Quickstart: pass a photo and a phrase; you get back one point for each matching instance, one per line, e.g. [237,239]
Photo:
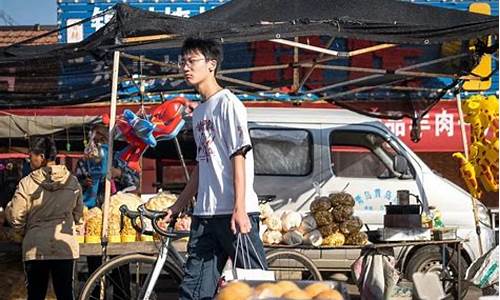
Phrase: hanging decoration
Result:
[481,165]
[164,123]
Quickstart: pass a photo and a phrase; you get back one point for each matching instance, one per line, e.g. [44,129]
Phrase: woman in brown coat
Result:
[46,205]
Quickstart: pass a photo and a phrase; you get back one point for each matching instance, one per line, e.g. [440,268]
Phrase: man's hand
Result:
[168,217]
[240,222]
[191,106]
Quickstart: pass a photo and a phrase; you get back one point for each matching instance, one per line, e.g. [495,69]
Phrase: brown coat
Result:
[47,204]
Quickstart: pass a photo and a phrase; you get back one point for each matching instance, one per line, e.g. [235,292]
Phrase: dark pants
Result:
[211,243]
[37,278]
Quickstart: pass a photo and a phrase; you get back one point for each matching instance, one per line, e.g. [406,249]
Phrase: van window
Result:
[285,152]
[361,154]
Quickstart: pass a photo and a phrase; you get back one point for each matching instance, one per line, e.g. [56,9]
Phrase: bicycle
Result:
[158,277]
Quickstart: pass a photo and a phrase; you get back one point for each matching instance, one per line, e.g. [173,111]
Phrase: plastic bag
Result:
[290,220]
[308,224]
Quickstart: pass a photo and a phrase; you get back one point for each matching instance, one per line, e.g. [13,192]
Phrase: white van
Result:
[301,152]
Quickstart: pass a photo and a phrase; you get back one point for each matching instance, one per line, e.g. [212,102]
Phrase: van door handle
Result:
[265,198]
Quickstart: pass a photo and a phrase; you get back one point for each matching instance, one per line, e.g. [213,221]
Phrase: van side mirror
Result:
[400,164]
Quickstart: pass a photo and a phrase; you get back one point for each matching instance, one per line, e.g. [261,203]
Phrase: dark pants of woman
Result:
[37,278]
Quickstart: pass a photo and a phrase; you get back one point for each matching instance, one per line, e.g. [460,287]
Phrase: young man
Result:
[223,179]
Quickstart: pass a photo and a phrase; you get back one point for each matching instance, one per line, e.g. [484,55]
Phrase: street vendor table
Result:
[455,245]
[94,249]
[152,248]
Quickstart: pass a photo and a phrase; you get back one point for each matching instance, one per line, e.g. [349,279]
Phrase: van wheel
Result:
[428,259]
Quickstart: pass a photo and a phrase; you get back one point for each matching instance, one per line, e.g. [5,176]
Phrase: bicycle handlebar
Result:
[142,212]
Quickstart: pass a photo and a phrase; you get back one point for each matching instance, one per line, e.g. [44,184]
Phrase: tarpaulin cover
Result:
[433,48]
[24,126]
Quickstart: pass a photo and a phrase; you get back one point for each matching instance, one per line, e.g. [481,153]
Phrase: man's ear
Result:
[212,65]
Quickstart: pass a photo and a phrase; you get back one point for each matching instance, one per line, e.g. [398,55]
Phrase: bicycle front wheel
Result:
[123,278]
[292,265]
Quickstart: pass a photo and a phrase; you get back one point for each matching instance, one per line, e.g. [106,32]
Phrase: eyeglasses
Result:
[189,62]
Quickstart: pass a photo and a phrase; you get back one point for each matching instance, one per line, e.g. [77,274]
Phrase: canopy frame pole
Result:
[311,69]
[311,62]
[466,154]
[383,71]
[149,60]
[333,52]
[243,82]
[107,185]
[310,47]
[360,89]
[409,88]
[344,83]
[148,38]
[370,49]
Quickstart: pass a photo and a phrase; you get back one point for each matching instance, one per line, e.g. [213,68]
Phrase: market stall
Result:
[326,39]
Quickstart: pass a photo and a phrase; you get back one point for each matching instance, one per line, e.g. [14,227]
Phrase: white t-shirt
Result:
[220,129]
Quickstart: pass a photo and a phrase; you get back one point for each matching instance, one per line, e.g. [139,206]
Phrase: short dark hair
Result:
[211,49]
[45,146]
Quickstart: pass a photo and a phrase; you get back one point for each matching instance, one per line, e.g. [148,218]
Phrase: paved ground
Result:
[472,294]
[12,283]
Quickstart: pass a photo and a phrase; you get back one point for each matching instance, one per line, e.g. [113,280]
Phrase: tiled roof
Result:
[14,34]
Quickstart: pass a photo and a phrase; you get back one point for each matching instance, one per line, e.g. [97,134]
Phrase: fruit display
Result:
[293,238]
[323,217]
[118,226]
[328,229]
[93,225]
[272,237]
[320,204]
[335,220]
[161,201]
[351,226]
[290,220]
[273,222]
[330,223]
[336,239]
[358,238]
[341,199]
[313,238]
[265,211]
[307,225]
[238,290]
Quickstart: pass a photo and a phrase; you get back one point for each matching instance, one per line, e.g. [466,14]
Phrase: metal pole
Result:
[296,71]
[466,153]
[107,186]
[181,158]
[183,163]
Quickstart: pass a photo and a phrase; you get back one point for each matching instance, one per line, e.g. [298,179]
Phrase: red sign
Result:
[440,130]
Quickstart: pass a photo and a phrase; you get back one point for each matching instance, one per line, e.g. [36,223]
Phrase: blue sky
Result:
[29,12]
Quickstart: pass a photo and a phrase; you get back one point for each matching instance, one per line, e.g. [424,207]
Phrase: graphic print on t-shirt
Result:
[205,133]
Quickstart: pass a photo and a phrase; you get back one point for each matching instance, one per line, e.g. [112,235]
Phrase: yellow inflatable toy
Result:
[468,173]
[482,114]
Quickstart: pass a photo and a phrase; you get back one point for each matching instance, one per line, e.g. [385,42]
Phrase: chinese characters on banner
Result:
[440,129]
